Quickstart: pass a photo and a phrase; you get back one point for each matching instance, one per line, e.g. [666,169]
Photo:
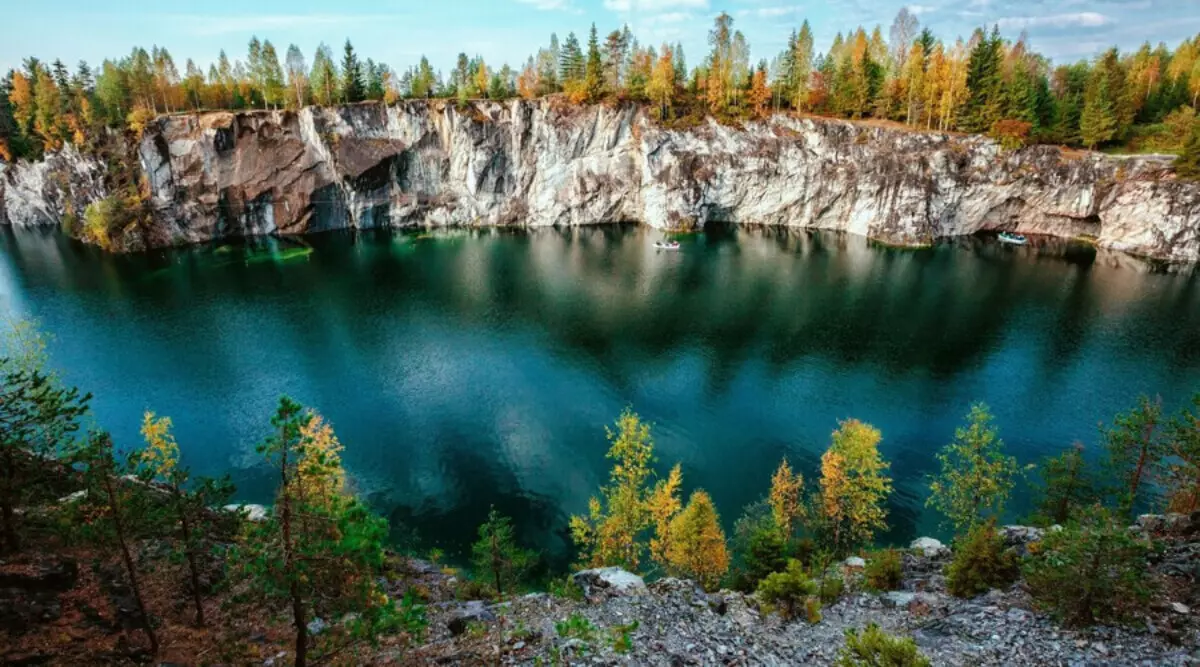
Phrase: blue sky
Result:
[398,32]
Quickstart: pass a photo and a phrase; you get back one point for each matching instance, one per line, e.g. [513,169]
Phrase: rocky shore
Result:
[538,163]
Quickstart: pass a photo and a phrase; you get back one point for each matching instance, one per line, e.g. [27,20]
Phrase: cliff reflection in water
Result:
[463,369]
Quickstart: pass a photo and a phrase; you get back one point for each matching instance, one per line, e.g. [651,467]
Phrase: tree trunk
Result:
[285,518]
[127,557]
[193,569]
[496,564]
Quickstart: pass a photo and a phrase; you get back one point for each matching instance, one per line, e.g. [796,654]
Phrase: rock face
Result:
[542,163]
[40,193]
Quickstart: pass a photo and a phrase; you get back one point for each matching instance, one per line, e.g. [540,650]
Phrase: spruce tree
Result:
[571,67]
[352,76]
[594,72]
[1066,487]
[497,556]
[984,83]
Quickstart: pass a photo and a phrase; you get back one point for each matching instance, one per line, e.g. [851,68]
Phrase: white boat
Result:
[1015,239]
[666,245]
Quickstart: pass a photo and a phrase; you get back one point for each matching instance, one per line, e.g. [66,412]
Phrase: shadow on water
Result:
[464,369]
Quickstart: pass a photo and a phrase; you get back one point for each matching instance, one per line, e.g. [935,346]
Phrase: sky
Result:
[398,32]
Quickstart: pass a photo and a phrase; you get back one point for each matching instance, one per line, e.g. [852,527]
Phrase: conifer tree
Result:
[274,92]
[801,67]
[572,65]
[785,499]
[976,477]
[1133,445]
[1181,472]
[115,512]
[697,544]
[664,504]
[188,505]
[1067,486]
[984,83]
[594,72]
[352,76]
[324,77]
[1097,121]
[320,550]
[854,486]
[497,555]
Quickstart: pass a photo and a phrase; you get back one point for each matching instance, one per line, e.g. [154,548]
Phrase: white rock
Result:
[73,498]
[250,512]
[854,562]
[1180,608]
[611,581]
[929,547]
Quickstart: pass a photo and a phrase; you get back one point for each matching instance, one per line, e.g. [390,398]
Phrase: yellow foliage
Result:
[784,498]
[161,454]
[697,544]
[139,118]
[319,474]
[854,486]
[664,504]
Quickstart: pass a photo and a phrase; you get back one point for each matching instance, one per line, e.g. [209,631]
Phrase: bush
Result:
[884,570]
[1187,165]
[1094,570]
[980,563]
[876,648]
[787,591]
[759,548]
[1012,134]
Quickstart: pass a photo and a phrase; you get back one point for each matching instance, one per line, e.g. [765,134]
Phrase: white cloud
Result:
[548,5]
[1077,20]
[653,5]
[919,10]
[770,12]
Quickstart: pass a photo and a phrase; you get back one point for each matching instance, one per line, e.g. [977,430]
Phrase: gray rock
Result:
[250,512]
[609,581]
[316,626]
[929,547]
[467,613]
[855,562]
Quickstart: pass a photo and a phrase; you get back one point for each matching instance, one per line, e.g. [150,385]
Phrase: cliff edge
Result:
[537,163]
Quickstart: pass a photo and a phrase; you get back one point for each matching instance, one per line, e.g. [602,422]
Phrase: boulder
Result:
[929,547]
[467,614]
[854,562]
[250,512]
[609,581]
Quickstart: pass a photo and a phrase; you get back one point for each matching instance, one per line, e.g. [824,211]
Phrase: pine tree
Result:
[115,513]
[984,83]
[854,486]
[497,555]
[594,73]
[1097,121]
[976,477]
[571,67]
[1066,488]
[697,544]
[1181,471]
[352,76]
[1134,445]
[188,506]
[320,550]
[802,59]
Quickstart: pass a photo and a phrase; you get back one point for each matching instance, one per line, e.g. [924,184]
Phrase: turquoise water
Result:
[465,369]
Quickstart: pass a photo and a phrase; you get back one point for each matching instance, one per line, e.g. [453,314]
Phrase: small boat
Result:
[1015,239]
[667,245]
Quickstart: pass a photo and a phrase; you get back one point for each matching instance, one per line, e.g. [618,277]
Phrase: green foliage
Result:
[1092,571]
[576,626]
[40,419]
[976,476]
[320,551]
[854,487]
[980,563]
[1187,165]
[1133,445]
[566,588]
[787,591]
[759,547]
[876,648]
[622,637]
[884,570]
[1066,487]
[497,555]
[1181,471]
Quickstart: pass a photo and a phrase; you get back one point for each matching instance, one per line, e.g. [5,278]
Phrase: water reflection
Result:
[464,369]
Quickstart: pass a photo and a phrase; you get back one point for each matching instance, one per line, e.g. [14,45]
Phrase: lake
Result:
[464,369]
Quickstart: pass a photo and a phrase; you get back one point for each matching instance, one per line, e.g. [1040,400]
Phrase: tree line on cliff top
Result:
[1145,99]
[318,555]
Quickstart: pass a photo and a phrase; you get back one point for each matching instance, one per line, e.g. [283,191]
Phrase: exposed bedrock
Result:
[541,163]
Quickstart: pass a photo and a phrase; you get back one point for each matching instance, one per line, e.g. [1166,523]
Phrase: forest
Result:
[197,575]
[1140,101]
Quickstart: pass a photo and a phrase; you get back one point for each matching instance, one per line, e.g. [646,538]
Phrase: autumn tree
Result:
[1133,446]
[720,63]
[664,504]
[976,477]
[854,486]
[320,550]
[786,499]
[612,531]
[760,94]
[661,88]
[497,555]
[188,505]
[697,544]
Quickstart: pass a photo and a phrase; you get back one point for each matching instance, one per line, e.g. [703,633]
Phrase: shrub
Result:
[1094,570]
[876,648]
[980,563]
[786,591]
[759,547]
[884,570]
[622,636]
[576,626]
[812,610]
[1187,165]
[1011,134]
[566,588]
